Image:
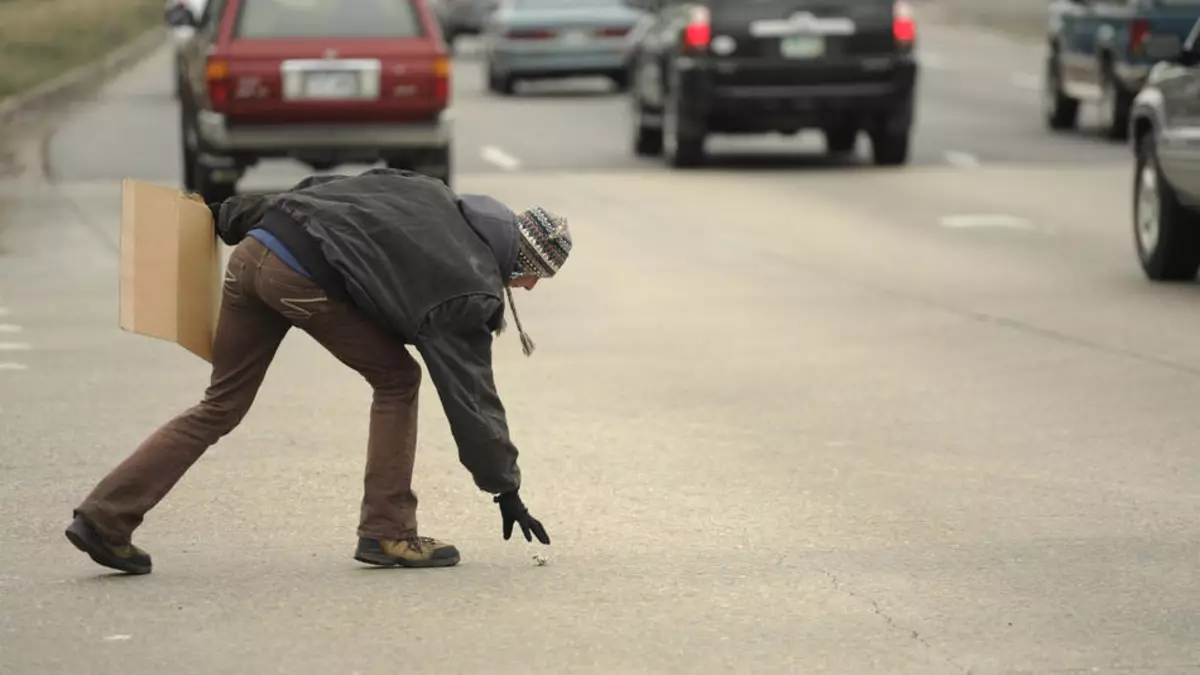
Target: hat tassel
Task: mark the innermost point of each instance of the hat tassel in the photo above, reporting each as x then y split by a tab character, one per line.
527	344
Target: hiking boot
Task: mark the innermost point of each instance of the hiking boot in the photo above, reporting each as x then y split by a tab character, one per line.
411	552
127	558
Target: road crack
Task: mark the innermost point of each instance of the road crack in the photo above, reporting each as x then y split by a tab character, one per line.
877	609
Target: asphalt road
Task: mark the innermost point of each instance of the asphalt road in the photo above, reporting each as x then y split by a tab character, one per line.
786	416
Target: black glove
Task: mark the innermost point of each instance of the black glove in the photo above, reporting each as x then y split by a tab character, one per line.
513	510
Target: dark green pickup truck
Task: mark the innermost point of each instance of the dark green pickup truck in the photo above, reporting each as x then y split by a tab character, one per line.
1100	52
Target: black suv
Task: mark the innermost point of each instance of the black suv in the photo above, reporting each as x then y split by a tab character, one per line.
761	66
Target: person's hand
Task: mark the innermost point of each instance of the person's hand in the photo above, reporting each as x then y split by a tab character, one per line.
513	510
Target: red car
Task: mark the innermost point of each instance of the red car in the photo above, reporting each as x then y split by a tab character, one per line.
324	82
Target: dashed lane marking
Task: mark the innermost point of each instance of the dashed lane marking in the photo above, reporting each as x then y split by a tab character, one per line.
961	159
985	220
10	328
8	365
493	155
13	346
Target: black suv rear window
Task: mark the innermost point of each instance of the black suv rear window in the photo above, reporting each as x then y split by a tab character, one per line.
821	7
328	18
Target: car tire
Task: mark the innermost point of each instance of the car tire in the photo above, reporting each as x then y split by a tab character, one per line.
682	150
1115	104
621	81
647	140
1166	234
499	84
841	141
187	152
444	168
889	147
196	179
1061	111
436	163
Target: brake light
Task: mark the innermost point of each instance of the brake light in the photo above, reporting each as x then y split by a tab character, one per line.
613	32
216	77
531	34
698	31
904	25
1139	32
441	81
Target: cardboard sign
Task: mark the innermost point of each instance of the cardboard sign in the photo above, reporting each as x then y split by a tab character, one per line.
171	267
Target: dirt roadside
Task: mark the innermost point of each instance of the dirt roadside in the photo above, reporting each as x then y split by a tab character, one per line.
56	53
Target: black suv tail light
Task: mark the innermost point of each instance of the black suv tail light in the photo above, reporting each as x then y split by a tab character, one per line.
698	32
904	26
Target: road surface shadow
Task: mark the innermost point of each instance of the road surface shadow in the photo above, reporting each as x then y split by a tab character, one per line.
775	161
560	94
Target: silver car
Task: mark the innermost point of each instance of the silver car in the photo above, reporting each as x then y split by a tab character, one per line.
544	39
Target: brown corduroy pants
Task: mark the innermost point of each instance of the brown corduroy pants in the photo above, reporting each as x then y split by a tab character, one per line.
262	299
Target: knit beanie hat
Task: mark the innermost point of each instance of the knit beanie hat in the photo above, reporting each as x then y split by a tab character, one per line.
544	246
545	243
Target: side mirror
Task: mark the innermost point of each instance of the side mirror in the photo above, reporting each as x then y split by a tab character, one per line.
179	16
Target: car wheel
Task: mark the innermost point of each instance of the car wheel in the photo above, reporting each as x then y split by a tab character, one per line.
841	141
216	192
683	149
499	84
647	140
188	141
1114	107
1061	111
197	178
445	171
621	81
1166	233
436	163
889	146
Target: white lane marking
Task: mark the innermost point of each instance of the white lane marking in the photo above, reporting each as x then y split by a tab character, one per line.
980	220
10	328
114	638
961	159
500	158
8	365
1026	81
13	346
4	311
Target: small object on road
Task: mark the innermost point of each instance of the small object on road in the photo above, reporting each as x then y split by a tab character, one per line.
541	559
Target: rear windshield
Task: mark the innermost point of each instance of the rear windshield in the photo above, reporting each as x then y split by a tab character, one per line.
743	11
328	18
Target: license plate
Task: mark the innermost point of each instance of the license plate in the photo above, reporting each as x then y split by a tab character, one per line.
331	85
802	46
575	37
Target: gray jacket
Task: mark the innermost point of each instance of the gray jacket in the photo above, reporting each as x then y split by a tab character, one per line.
430	266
